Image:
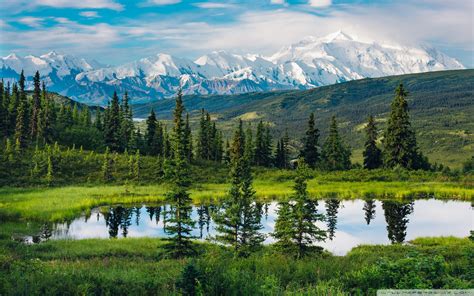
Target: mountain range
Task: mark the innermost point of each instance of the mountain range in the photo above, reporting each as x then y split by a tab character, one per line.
310	63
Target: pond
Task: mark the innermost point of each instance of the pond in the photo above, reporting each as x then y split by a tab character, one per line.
348	222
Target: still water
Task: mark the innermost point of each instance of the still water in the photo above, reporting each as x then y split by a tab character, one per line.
348	223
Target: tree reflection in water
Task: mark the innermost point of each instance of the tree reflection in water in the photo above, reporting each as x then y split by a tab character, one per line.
397	221
369	209
332	208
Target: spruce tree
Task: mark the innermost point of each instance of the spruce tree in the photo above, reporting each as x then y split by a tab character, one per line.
238	223
263	145
310	151
295	228
3	113
13	107
98	119
151	137
49	172
179	223
112	125
21	128
107	166
126	126
372	154
335	155
47	116
400	146
249	152
35	108
203	137
188	140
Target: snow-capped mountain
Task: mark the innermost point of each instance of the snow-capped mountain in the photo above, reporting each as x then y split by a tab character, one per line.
309	63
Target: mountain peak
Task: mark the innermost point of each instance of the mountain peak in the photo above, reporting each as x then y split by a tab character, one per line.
337	36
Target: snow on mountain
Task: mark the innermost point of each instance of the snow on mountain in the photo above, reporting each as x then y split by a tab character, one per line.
311	62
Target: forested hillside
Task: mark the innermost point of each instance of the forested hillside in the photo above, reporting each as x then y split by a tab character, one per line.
441	107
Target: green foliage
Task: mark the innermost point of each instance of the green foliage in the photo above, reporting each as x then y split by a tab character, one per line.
238	222
372	154
295	228
335	154
310	151
440	107
400	146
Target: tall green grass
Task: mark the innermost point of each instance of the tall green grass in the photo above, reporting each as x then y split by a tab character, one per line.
54	204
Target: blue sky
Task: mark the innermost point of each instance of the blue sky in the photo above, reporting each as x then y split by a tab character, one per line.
118	31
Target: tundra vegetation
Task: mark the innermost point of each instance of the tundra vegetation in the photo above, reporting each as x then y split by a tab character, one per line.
58	160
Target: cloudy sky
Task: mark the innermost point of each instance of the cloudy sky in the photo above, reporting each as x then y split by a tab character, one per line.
117	31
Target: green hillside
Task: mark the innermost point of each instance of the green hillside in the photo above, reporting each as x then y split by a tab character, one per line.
441	104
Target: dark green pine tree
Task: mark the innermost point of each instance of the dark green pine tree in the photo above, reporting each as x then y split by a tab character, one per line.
310	151
203	137
154	135
249	152
188	140
238	223
21	127
98	119
179	223
3	112
400	147
13	107
335	155
35	109
126	126
112	125
372	154
47	117
295	228
263	147
7	127
282	157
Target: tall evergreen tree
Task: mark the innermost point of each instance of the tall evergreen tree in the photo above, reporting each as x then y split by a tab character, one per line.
112	125
179	223
400	147
188	140
13	107
372	154
310	151
335	155
263	148
126	126
98	119
21	127
47	116
249	152
238	223
203	137
35	108
295	228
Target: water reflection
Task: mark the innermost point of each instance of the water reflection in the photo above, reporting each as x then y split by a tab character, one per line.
396	216
348	223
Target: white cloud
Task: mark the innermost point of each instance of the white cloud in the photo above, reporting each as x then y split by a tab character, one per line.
320	3
89	14
277	2
213	5
30	21
162	2
109	4
16	6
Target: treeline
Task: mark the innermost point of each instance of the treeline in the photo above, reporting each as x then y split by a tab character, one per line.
36	123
